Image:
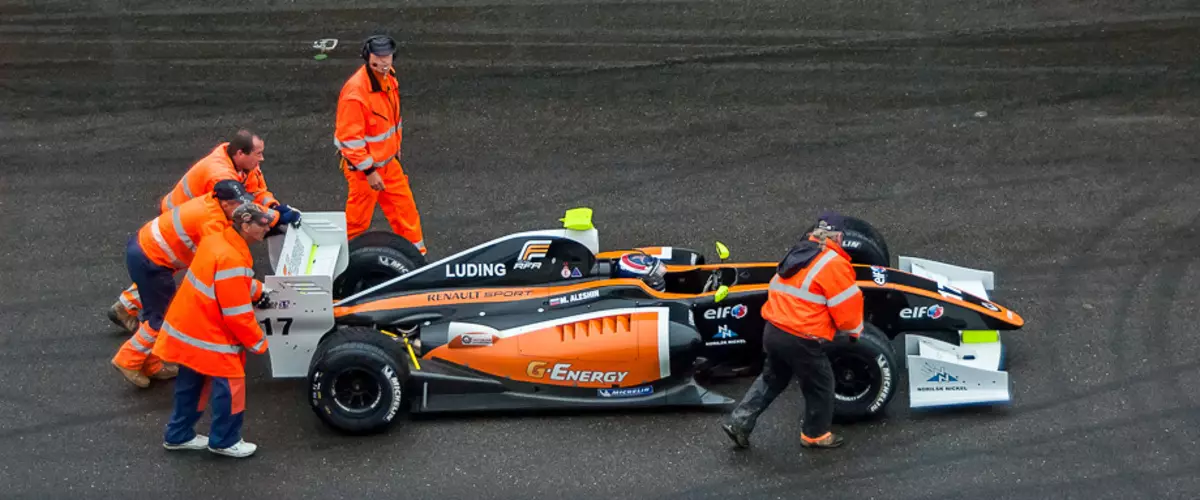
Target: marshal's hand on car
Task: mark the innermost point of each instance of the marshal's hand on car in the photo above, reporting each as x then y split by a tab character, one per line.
264	302
288	215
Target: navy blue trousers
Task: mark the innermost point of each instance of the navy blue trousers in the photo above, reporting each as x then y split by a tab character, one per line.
193	391
156	284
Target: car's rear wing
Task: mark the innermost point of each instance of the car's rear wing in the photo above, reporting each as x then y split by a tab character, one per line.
941	374
305	260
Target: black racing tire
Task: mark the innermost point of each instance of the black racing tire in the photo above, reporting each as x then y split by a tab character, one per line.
358	381
866	375
864	230
864	244
376	257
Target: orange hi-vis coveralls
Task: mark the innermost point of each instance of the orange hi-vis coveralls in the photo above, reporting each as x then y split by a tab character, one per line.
199	181
168	243
818	301
812	297
211	169
368	136
207	330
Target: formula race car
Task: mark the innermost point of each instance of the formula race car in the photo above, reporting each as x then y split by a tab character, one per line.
536	319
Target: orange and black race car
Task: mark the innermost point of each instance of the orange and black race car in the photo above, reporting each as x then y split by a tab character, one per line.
537	320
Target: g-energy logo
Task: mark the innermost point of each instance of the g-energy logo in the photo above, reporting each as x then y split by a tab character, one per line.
563	372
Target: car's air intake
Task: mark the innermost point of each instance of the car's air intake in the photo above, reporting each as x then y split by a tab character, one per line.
608	325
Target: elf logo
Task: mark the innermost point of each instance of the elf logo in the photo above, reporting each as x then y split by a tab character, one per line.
932	312
879	275
737	312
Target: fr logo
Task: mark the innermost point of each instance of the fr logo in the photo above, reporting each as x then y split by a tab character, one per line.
534	250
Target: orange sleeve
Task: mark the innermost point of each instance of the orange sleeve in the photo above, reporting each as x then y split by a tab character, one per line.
256	184
232	285
256	290
843	297
350	134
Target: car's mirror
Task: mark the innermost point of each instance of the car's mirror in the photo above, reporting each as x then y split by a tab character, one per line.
722	292
722	251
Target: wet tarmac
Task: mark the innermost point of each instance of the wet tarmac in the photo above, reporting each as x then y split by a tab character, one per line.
1052	144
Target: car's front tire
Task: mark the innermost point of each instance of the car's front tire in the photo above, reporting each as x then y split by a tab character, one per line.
357	381
866	374
376	257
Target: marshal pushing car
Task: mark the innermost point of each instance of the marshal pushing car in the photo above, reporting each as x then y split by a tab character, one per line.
537	319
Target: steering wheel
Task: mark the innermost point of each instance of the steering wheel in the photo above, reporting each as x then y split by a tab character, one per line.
714	280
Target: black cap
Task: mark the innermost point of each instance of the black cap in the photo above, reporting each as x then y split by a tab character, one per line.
831	221
230	189
380	45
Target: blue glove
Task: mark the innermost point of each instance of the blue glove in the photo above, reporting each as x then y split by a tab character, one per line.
288	215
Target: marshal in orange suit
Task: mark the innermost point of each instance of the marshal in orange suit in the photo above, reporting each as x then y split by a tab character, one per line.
368	136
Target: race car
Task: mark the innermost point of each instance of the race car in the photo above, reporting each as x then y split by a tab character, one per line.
536	319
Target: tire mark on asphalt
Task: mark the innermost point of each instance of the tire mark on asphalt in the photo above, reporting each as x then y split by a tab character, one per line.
1102	485
1010	34
1189	415
1091	246
1125	348
960	188
22	400
1102	89
1118	342
898	445
86	419
1036	272
1162	297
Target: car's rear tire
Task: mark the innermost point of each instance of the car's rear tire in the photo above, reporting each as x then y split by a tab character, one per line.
874	250
357	380
376	257
866	374
864	244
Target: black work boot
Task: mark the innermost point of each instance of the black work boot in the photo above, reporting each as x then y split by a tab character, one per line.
740	438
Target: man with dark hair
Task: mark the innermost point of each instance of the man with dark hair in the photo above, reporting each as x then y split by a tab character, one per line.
368	135
245	142
238	160
812	298
207	330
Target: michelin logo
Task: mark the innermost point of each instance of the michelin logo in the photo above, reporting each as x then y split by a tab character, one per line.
625	393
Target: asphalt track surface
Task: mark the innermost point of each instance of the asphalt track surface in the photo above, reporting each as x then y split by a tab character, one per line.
1054	143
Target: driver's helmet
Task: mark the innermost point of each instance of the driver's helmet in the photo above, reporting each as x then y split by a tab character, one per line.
644	267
